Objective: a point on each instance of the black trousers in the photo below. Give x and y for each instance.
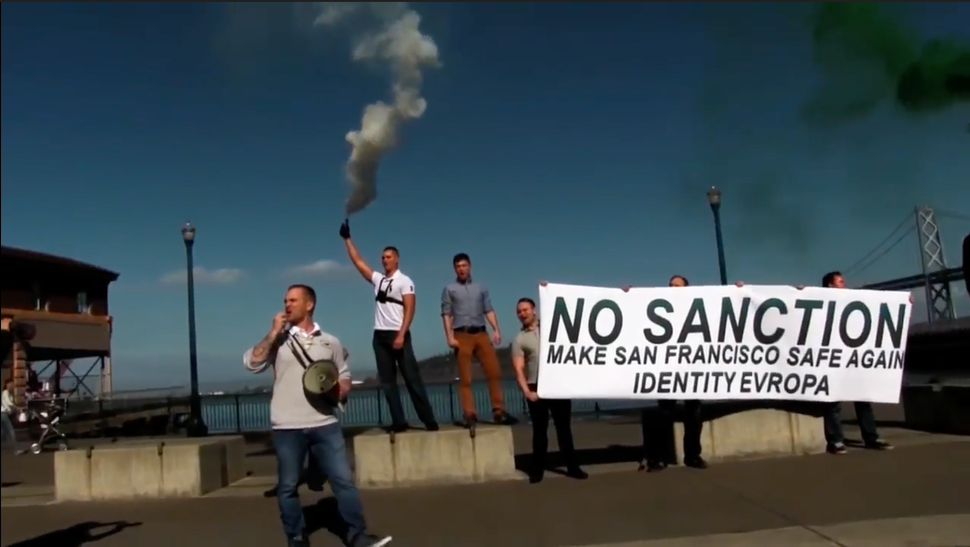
(658, 430)
(561, 411)
(389, 362)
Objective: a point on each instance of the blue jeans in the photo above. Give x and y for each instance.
(9, 435)
(326, 446)
(864, 415)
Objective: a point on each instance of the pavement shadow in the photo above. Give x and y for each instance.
(10, 484)
(323, 515)
(556, 463)
(77, 535)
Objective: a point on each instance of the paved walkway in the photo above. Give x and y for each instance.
(798, 499)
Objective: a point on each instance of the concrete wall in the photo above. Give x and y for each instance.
(451, 455)
(148, 469)
(938, 408)
(757, 433)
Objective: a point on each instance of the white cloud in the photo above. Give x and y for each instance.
(221, 276)
(318, 268)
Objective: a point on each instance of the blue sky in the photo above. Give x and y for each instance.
(569, 142)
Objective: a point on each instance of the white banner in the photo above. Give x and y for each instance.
(710, 343)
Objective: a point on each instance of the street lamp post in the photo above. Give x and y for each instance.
(195, 427)
(714, 198)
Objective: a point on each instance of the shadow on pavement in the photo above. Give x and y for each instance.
(77, 535)
(323, 515)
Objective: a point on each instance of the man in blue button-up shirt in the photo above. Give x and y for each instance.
(465, 308)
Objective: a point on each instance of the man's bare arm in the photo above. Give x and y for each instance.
(492, 320)
(409, 303)
(518, 363)
(446, 324)
(358, 262)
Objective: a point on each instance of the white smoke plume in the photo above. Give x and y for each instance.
(396, 41)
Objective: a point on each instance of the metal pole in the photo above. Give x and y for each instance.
(196, 426)
(721, 263)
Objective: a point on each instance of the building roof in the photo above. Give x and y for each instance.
(55, 261)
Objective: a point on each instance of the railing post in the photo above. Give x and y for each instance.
(377, 400)
(238, 416)
(451, 402)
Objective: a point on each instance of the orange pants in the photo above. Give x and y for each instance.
(479, 346)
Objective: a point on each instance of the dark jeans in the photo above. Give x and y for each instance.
(389, 361)
(657, 430)
(326, 447)
(561, 411)
(864, 415)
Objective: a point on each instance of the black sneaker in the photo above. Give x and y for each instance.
(836, 449)
(536, 476)
(504, 418)
(878, 445)
(398, 428)
(372, 541)
(696, 462)
(271, 493)
(298, 542)
(433, 426)
(576, 472)
(651, 466)
(469, 422)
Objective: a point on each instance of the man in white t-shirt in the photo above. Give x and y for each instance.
(393, 313)
(302, 429)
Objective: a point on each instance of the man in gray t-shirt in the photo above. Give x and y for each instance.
(525, 360)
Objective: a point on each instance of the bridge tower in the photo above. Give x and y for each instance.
(939, 304)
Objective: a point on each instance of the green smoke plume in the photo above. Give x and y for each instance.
(867, 57)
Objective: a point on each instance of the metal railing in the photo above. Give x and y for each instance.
(239, 413)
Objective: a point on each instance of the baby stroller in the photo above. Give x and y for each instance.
(46, 414)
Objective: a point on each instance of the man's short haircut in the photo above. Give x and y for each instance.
(829, 279)
(527, 300)
(680, 277)
(393, 249)
(460, 257)
(307, 290)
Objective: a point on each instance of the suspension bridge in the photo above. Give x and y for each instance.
(936, 277)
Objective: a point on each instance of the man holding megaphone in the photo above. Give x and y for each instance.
(311, 378)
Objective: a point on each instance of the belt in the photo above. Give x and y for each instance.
(470, 330)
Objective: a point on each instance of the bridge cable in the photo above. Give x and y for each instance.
(879, 256)
(952, 215)
(907, 220)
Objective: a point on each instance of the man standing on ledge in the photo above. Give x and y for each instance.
(657, 430)
(525, 360)
(393, 313)
(465, 307)
(834, 440)
(301, 429)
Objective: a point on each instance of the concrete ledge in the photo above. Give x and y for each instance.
(148, 469)
(449, 456)
(938, 408)
(757, 433)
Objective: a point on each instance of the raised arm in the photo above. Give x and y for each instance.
(259, 357)
(355, 258)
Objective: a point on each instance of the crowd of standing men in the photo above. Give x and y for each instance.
(303, 430)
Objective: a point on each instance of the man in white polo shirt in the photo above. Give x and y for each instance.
(393, 313)
(301, 428)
